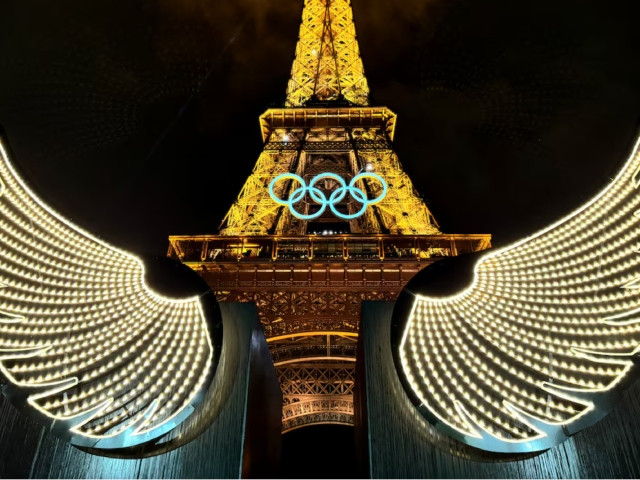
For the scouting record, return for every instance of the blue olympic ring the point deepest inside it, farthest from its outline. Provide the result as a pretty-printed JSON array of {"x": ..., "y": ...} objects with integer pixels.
[{"x": 320, "y": 198}]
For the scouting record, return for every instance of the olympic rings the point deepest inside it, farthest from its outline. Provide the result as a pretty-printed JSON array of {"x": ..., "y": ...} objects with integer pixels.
[{"x": 320, "y": 198}]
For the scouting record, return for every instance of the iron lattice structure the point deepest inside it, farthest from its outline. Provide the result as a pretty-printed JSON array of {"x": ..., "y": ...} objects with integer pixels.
[
  {"x": 327, "y": 65},
  {"x": 309, "y": 278}
]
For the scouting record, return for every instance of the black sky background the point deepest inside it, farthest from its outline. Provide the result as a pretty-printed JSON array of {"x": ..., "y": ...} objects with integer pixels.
[{"x": 139, "y": 118}]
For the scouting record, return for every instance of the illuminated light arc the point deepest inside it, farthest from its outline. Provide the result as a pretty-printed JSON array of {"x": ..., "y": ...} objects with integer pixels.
[
  {"x": 81, "y": 331},
  {"x": 545, "y": 331}
]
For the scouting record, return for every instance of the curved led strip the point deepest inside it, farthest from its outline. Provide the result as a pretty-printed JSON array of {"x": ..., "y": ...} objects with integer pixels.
[
  {"x": 105, "y": 360},
  {"x": 528, "y": 353},
  {"x": 321, "y": 199}
]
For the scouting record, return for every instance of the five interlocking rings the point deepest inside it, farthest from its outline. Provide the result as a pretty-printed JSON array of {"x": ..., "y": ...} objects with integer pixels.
[{"x": 320, "y": 198}]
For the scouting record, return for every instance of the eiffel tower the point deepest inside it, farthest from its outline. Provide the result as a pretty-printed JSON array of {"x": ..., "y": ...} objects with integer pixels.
[{"x": 327, "y": 219}]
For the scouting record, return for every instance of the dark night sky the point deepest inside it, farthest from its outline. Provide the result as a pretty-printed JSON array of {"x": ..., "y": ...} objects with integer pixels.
[{"x": 139, "y": 118}]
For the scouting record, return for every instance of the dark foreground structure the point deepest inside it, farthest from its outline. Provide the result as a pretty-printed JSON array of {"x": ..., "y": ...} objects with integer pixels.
[
  {"x": 393, "y": 440},
  {"x": 397, "y": 442},
  {"x": 243, "y": 438},
  {"x": 325, "y": 234}
]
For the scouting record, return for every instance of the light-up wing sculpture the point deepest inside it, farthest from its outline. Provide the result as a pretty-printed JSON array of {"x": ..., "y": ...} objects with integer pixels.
[
  {"x": 531, "y": 352},
  {"x": 84, "y": 342}
]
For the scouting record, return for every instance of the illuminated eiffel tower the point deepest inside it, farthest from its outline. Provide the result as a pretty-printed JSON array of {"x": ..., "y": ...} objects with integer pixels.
[{"x": 327, "y": 219}]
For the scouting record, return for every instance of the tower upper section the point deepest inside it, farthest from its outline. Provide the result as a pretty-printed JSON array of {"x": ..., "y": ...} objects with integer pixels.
[
  {"x": 328, "y": 163},
  {"x": 327, "y": 65}
]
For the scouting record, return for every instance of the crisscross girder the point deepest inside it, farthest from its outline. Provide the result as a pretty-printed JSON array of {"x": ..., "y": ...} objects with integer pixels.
[{"x": 327, "y": 63}]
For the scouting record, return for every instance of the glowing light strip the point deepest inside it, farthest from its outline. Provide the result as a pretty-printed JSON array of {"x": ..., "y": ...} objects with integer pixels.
[
  {"x": 543, "y": 333},
  {"x": 320, "y": 198},
  {"x": 111, "y": 362},
  {"x": 317, "y": 333}
]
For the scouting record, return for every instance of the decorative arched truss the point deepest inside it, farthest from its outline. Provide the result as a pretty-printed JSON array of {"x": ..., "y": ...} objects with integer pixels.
[
  {"x": 316, "y": 371},
  {"x": 317, "y": 392}
]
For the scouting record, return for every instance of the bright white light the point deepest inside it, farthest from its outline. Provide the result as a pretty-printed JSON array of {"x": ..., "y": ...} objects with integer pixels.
[
  {"x": 79, "y": 327},
  {"x": 547, "y": 325}
]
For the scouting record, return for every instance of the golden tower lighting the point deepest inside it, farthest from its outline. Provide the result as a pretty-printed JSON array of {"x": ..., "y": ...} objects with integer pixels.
[{"x": 298, "y": 242}]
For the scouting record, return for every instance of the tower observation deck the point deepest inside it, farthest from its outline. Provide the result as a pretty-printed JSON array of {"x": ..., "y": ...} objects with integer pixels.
[{"x": 327, "y": 219}]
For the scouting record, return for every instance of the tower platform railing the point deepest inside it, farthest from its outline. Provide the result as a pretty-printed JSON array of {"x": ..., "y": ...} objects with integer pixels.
[{"x": 322, "y": 248}]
